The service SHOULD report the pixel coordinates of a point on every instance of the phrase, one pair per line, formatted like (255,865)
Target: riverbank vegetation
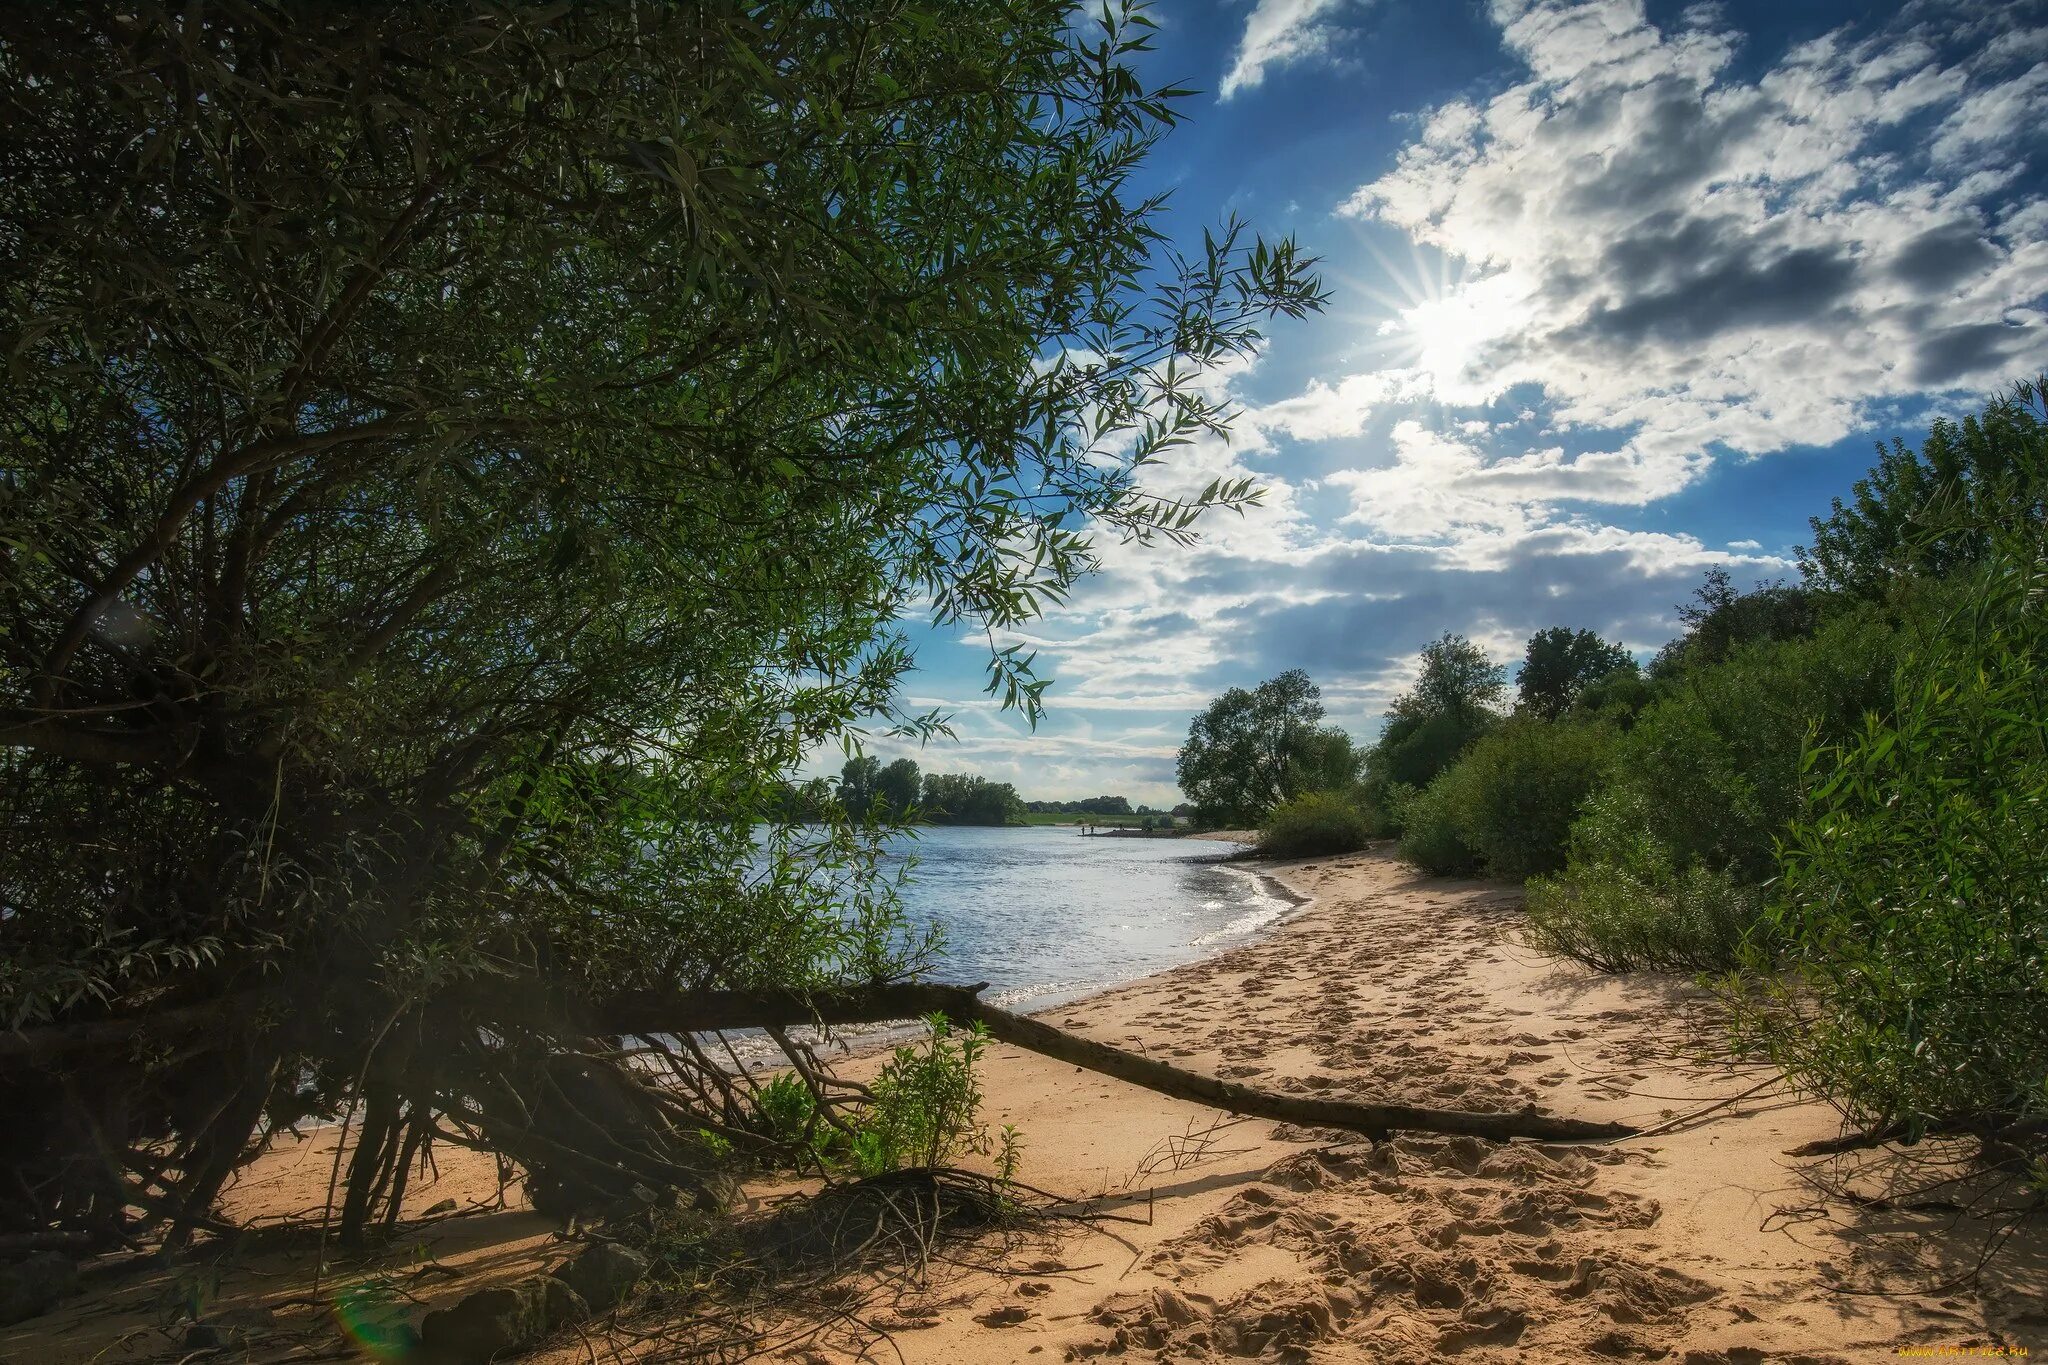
(1830,795)
(460,465)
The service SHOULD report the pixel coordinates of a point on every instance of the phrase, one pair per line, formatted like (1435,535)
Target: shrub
(1319,822)
(1666,856)
(926,1104)
(1519,789)
(1416,750)
(1915,891)
(1615,918)
(1713,767)
(1431,831)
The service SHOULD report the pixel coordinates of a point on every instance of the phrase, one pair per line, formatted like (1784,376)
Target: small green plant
(1009,1153)
(786,1112)
(1616,918)
(926,1106)
(1319,822)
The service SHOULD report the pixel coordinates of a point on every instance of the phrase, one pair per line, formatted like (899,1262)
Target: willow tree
(458,461)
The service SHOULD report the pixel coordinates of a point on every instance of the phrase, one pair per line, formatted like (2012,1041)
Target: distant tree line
(897,792)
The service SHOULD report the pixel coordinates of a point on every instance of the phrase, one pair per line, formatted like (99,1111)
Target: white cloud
(1280,32)
(1662,261)
(1699,260)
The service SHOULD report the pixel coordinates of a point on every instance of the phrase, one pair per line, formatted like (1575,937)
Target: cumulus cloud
(1280,32)
(1657,259)
(1752,263)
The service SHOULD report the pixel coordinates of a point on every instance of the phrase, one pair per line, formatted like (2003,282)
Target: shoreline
(1701,1243)
(858,1042)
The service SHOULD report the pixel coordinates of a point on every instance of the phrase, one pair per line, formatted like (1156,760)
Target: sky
(1620,292)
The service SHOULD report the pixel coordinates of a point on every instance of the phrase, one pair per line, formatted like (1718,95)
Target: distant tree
(896,788)
(1719,619)
(858,779)
(1560,664)
(1457,680)
(1327,761)
(1249,751)
(1455,700)
(966,799)
(1931,512)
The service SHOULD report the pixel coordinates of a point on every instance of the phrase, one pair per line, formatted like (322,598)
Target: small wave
(1264,908)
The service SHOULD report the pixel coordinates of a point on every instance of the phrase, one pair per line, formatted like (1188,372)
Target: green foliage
(1616,918)
(1560,664)
(1456,679)
(1932,512)
(1453,702)
(1665,856)
(1616,699)
(858,779)
(1712,769)
(965,799)
(1314,823)
(786,1113)
(1508,805)
(1432,827)
(1250,751)
(1719,620)
(1521,787)
(897,788)
(926,1106)
(1914,900)
(1414,751)
(460,463)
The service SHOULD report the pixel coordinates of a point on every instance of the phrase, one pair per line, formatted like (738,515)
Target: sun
(1439,318)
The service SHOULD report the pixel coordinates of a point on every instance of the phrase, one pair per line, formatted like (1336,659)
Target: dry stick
(1683,1119)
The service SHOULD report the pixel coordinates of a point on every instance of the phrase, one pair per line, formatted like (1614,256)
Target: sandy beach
(1700,1241)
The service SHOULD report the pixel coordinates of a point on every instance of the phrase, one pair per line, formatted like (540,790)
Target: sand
(1701,1243)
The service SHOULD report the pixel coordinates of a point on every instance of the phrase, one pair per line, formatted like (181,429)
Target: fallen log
(1374,1120)
(677,1012)
(699,1012)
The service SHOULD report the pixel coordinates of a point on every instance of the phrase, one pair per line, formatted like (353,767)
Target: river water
(1045,914)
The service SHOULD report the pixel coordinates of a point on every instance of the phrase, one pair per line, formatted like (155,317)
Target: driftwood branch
(705,1011)
(686,1012)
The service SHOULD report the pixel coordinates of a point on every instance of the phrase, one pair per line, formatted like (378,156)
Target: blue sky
(1621,292)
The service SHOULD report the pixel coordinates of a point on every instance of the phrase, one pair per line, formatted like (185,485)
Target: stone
(559,1304)
(603,1274)
(484,1324)
(30,1286)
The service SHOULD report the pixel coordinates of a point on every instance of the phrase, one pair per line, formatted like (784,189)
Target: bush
(1616,919)
(1319,822)
(1712,768)
(1509,803)
(926,1107)
(1915,891)
(1415,751)
(1431,831)
(1519,789)
(1666,857)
